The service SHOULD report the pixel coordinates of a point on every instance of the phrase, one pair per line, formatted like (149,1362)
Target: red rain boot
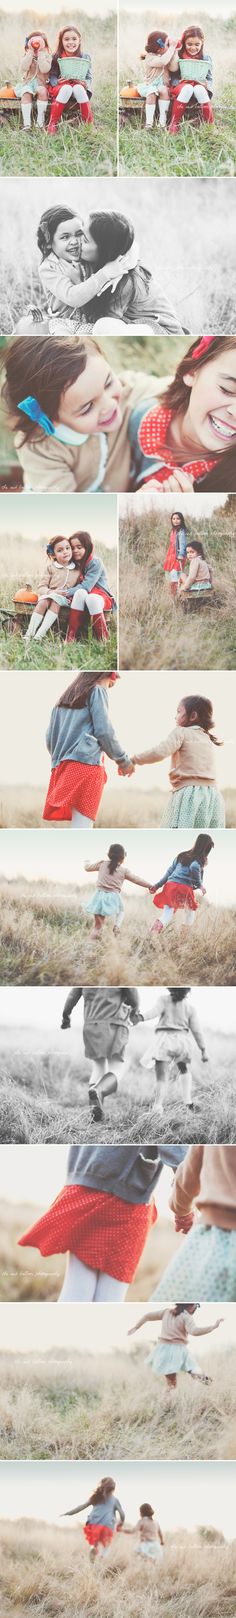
(76,622)
(86,112)
(55,115)
(177,114)
(99,626)
(207,113)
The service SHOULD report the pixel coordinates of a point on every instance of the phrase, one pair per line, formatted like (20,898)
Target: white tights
(196,90)
(184,916)
(83,1285)
(68,90)
(82,598)
(80,820)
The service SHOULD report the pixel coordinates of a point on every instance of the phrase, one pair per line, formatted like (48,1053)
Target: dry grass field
(45,937)
(23,806)
(157,631)
(44,1094)
(74,150)
(45,1573)
(22,563)
(61,1406)
(196,150)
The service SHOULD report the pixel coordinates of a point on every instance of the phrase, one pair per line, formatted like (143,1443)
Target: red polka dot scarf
(152,438)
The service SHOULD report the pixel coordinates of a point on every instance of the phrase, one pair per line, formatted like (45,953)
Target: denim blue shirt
(122,1171)
(94,574)
(84,733)
(189,874)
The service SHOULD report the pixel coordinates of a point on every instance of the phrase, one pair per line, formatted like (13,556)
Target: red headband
(204,343)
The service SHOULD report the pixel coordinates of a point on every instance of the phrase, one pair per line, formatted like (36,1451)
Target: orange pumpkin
(7,93)
(130,93)
(25,597)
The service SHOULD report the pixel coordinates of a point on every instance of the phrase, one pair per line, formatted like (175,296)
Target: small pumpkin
(25,597)
(130,93)
(7,93)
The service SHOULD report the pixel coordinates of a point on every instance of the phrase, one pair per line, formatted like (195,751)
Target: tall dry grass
(59,1405)
(45,937)
(44,1094)
(155,630)
(46,1571)
(23,806)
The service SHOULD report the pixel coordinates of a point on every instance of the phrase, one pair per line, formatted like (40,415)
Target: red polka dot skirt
(152,437)
(74,786)
(98,1533)
(177,895)
(106,1233)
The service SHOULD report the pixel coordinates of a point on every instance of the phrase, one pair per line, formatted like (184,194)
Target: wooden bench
(11,105)
(191,603)
(133,109)
(15,619)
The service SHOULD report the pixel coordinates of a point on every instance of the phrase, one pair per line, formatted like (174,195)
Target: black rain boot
(104,1087)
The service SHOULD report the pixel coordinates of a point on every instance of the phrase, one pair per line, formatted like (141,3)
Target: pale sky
(36,1174)
(183,1494)
(94,8)
(198,506)
(40,1010)
(174,8)
(22,1331)
(59,856)
(142,709)
(45,515)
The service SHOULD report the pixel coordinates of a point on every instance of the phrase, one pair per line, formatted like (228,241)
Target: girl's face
(92,403)
(193,45)
(78,551)
(90,252)
(211,415)
(181,714)
(62,551)
(190,553)
(67,241)
(70,41)
(176,520)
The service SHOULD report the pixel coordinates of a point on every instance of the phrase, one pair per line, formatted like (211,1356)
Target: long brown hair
(44,367)
(182,48)
(204,715)
(59,45)
(176,395)
(105,1488)
(116,855)
(200,850)
(86,541)
(77,694)
(178,1307)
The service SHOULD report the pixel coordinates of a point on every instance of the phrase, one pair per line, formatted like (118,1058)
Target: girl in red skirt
(102,1218)
(180,881)
(101,1525)
(70,77)
(78,731)
(91,594)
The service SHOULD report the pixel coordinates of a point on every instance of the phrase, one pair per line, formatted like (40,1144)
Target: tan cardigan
(192,756)
(207,1176)
(35,64)
(154,64)
(49,465)
(57,577)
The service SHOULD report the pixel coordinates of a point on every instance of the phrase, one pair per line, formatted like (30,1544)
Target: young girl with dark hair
(92,272)
(205,1264)
(102,1218)
(107,902)
(199,579)
(171,1046)
(53,588)
(176,554)
(188,439)
(78,734)
(195,800)
(102,1524)
(150,1536)
(91,593)
(172,1353)
(34,81)
(159,56)
(183,877)
(70,77)
(193,81)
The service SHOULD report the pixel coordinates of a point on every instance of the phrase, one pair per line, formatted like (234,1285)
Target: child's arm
(71,1000)
(197,1032)
(171,744)
(144,1320)
(186,1185)
(137,879)
(77,296)
(203,1331)
(104,732)
(160,1534)
(89,867)
(44,584)
(75,1509)
(155,885)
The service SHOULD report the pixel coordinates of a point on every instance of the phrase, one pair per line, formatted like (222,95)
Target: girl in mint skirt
(195,799)
(204,1267)
(172,1354)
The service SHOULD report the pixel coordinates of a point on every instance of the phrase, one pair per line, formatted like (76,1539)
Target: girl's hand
(131,1331)
(178,480)
(126,769)
(204,1056)
(153,887)
(185,1223)
(220,1321)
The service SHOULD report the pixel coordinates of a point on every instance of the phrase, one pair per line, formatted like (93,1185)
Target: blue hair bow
(32,408)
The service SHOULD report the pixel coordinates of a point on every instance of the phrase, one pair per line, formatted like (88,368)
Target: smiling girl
(194,79)
(187,437)
(92,270)
(70,77)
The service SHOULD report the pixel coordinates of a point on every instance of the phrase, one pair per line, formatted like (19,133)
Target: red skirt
(98,591)
(53,89)
(105,1233)
(74,786)
(98,1535)
(176,894)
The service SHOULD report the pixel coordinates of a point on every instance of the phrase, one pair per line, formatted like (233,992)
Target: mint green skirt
(195,806)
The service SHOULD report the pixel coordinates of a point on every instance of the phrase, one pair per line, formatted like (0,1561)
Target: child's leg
(26,104)
(161,1071)
(164,102)
(203,99)
(34,623)
(64,95)
(179,106)
(81,820)
(79,1285)
(49,619)
(42,101)
(150,109)
(98,923)
(171,1380)
(119,922)
(108,1290)
(103,1084)
(167,915)
(80,95)
(185,917)
(186,1082)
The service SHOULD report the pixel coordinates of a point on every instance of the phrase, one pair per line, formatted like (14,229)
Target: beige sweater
(154,64)
(175,1328)
(111,881)
(36,64)
(192,756)
(199,572)
(57,577)
(52,466)
(207,1176)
